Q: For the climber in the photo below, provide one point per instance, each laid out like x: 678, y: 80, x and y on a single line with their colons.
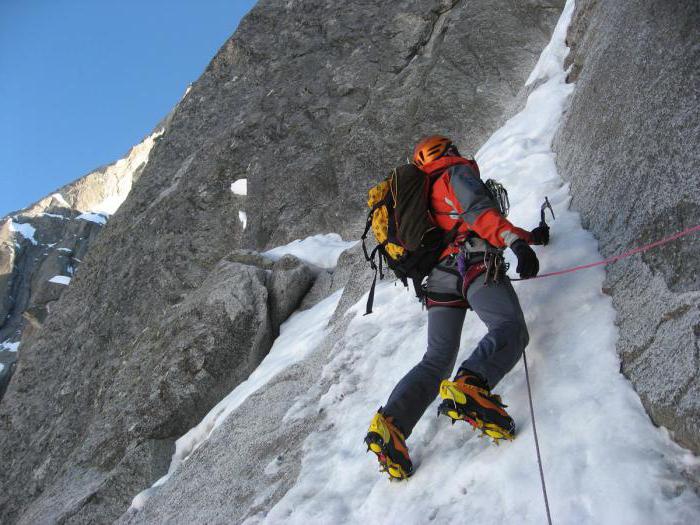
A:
x: 470, y: 274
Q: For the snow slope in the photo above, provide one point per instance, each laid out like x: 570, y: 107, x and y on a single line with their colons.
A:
x: 604, y: 460
x: 320, y: 250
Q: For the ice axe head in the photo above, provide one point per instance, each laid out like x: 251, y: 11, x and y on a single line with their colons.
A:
x: 545, y: 205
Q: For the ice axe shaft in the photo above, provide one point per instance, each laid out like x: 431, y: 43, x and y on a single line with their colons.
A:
x: 546, y: 205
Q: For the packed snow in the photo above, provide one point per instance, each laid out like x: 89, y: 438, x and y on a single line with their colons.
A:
x: 60, y: 279
x: 604, y: 461
x: 9, y: 347
x: 25, y: 230
x: 110, y: 205
x: 320, y: 250
x: 240, y: 187
x: 243, y: 217
x: 93, y: 217
x: 299, y: 335
x: 61, y: 200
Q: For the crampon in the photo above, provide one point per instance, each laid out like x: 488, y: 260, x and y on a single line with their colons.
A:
x: 478, y: 407
x: 387, y: 442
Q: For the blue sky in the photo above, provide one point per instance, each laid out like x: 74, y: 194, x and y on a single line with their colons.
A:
x: 81, y: 81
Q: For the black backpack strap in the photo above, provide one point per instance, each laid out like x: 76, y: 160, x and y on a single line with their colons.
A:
x: 418, y: 288
x: 370, y: 297
x: 368, y: 225
x: 364, y: 237
x: 377, y: 270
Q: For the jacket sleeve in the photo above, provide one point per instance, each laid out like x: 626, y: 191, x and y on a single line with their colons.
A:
x: 479, y: 211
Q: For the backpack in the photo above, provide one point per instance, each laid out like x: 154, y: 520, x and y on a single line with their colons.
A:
x: 408, y: 240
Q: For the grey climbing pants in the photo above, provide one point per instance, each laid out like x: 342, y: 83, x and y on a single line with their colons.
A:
x: 495, y: 355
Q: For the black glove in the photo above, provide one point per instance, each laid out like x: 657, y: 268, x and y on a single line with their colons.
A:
x: 540, y: 235
x: 528, y: 265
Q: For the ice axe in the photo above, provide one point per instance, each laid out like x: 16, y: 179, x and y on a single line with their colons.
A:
x: 546, y: 205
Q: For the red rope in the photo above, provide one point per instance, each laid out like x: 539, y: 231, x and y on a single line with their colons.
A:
x: 616, y: 258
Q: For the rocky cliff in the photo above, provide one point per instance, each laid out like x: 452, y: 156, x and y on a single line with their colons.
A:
x: 629, y: 146
x: 41, y: 246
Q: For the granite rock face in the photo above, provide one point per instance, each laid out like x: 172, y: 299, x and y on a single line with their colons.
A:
x: 629, y: 147
x: 142, y: 396
x: 35, y: 273
x: 49, y: 239
x: 269, y: 453
x: 289, y: 281
x: 309, y: 101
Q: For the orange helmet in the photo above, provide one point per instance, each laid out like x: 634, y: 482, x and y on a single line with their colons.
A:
x: 430, y: 149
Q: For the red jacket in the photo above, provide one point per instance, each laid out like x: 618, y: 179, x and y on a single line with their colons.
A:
x: 458, y: 194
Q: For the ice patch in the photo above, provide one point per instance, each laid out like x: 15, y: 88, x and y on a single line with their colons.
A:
x: 97, y: 218
x: 110, y: 204
x: 240, y: 187
x: 25, y: 230
x: 243, y: 217
x: 299, y: 335
x: 551, y: 61
x: 61, y: 200
x: 321, y: 250
x: 60, y: 279
x: 9, y: 347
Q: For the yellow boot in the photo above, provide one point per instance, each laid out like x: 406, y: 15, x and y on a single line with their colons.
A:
x: 468, y: 398
x: 387, y: 442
